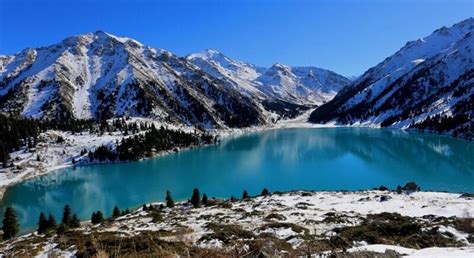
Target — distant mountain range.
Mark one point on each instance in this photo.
(302, 85)
(428, 84)
(99, 75)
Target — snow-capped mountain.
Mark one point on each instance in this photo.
(427, 84)
(99, 75)
(301, 85)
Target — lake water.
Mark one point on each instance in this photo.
(313, 159)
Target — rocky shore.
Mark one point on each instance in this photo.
(342, 223)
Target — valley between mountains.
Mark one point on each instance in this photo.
(427, 85)
(100, 98)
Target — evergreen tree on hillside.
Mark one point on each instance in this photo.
(10, 224)
(116, 212)
(61, 229)
(196, 198)
(4, 155)
(75, 222)
(97, 217)
(125, 212)
(42, 224)
(169, 200)
(66, 216)
(245, 195)
(265, 192)
(51, 222)
(204, 199)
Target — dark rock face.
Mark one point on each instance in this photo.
(408, 188)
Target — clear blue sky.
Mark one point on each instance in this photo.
(342, 35)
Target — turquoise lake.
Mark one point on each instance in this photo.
(280, 160)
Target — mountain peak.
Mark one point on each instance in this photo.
(419, 86)
(212, 51)
(206, 54)
(281, 67)
(101, 33)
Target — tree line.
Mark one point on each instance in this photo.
(70, 220)
(152, 141)
(18, 132)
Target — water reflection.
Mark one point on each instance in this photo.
(326, 159)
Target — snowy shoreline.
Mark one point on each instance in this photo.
(289, 222)
(54, 156)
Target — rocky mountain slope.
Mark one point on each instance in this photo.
(303, 85)
(98, 75)
(101, 76)
(427, 84)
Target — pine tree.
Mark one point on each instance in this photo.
(66, 216)
(196, 198)
(125, 212)
(116, 212)
(5, 156)
(93, 217)
(245, 195)
(169, 200)
(204, 199)
(42, 224)
(265, 192)
(75, 222)
(61, 229)
(97, 217)
(51, 222)
(10, 224)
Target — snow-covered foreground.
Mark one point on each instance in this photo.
(467, 251)
(292, 223)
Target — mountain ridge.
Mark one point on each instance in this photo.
(297, 84)
(99, 75)
(427, 79)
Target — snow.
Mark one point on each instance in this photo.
(442, 58)
(55, 155)
(99, 73)
(52, 250)
(306, 209)
(444, 252)
(438, 41)
(301, 121)
(426, 252)
(316, 206)
(305, 85)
